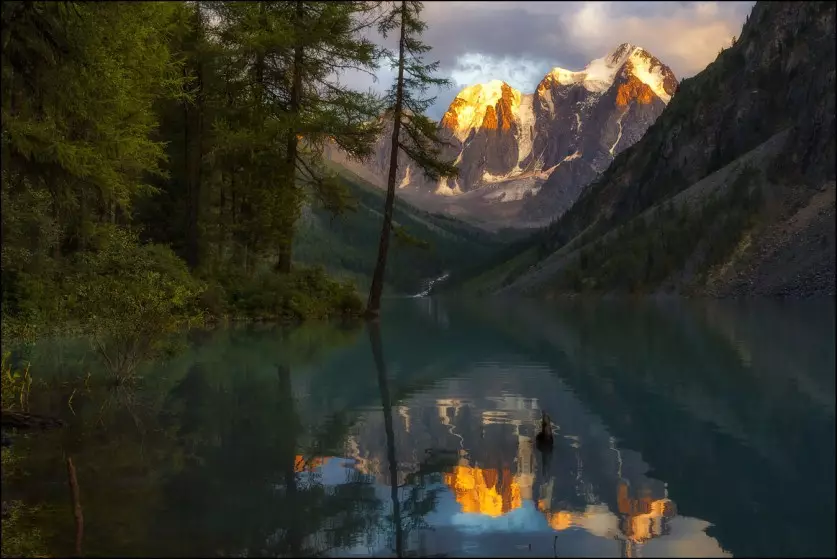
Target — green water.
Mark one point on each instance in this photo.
(681, 429)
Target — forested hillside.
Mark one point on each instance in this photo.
(161, 161)
(426, 245)
(731, 192)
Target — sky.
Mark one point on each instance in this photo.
(519, 42)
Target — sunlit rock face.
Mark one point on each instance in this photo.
(577, 119)
(583, 120)
(540, 149)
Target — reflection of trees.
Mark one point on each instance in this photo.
(409, 512)
(198, 460)
(724, 431)
(250, 486)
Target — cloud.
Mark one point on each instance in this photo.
(520, 42)
(473, 67)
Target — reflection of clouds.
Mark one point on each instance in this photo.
(653, 523)
(687, 538)
(494, 488)
(595, 519)
(523, 518)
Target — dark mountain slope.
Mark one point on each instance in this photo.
(738, 221)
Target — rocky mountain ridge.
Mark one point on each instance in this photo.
(524, 158)
(729, 193)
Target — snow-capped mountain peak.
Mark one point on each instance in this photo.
(599, 75)
(538, 150)
(468, 110)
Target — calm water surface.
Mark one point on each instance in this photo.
(681, 429)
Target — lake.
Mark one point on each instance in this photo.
(681, 428)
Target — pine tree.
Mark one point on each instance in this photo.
(177, 214)
(326, 41)
(283, 61)
(247, 154)
(412, 132)
(79, 85)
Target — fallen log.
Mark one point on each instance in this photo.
(21, 420)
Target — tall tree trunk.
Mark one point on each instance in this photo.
(56, 217)
(294, 533)
(386, 405)
(285, 246)
(194, 154)
(373, 306)
(222, 226)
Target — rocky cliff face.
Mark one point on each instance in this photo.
(762, 116)
(584, 128)
(535, 152)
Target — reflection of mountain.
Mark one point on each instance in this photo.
(588, 483)
(732, 438)
(308, 463)
(484, 491)
(719, 429)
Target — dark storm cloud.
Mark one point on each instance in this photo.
(519, 42)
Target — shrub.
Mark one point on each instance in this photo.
(302, 294)
(127, 297)
(15, 385)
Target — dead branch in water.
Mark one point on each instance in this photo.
(77, 514)
(22, 420)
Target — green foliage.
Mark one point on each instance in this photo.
(280, 64)
(647, 251)
(347, 244)
(304, 293)
(175, 120)
(20, 539)
(79, 81)
(127, 297)
(16, 385)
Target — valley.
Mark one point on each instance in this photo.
(582, 304)
(524, 158)
(730, 193)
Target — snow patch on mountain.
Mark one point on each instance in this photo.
(443, 189)
(489, 178)
(406, 180)
(653, 77)
(571, 157)
(515, 190)
(599, 74)
(619, 134)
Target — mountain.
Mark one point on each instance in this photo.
(347, 245)
(524, 158)
(730, 192)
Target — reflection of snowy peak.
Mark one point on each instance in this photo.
(493, 465)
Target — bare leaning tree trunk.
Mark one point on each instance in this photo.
(373, 305)
(386, 407)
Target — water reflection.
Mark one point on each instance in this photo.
(679, 430)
